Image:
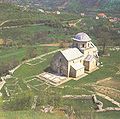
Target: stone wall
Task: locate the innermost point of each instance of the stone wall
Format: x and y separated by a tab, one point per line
98	103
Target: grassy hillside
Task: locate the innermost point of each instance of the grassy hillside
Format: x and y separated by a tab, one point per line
9	54
34	26
26	81
30	24
38	115
9	12
29	115
108	115
110	5
24	85
74	5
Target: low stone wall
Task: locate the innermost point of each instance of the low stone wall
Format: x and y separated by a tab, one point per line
98	103
85	97
109	109
2	83
93	97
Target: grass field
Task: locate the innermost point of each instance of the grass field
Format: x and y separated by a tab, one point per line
24	79
8	54
50	34
105	81
38	115
108	115
83	86
29	115
9	11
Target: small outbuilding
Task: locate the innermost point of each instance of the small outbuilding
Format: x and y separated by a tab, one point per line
90	63
76	70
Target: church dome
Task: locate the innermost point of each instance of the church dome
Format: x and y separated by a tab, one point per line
82	37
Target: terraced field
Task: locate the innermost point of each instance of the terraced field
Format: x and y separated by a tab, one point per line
103	82
8	54
24	78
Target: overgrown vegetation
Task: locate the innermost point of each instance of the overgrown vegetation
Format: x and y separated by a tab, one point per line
23	42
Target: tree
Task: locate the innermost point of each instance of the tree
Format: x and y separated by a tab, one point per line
63	44
45	49
5	67
104	39
31	52
103	34
40	37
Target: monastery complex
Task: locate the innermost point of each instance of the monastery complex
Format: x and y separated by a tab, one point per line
74	61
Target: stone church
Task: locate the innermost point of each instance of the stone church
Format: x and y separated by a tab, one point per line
74	61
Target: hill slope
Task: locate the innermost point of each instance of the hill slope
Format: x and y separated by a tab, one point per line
72	5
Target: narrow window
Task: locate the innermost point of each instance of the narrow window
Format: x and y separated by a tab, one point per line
77	45
83	45
88	44
60	59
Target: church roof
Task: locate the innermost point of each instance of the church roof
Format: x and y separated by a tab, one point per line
89	58
82	37
77	66
71	53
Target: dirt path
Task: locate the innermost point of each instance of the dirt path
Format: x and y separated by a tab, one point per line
39	57
13	70
103	87
33	64
16	26
19	26
103	80
74	23
78	21
53	44
4	22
